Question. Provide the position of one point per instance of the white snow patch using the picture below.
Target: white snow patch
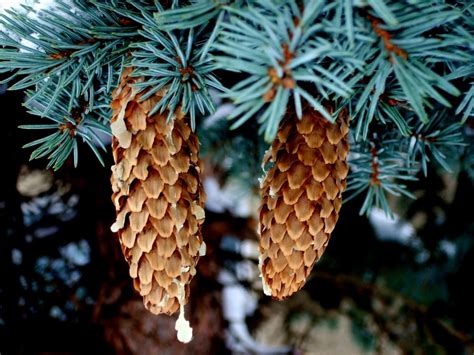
(234, 197)
(17, 256)
(222, 112)
(238, 303)
(448, 247)
(76, 253)
(249, 249)
(387, 228)
(246, 270)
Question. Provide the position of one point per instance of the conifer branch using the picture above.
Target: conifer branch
(378, 171)
(403, 70)
(69, 126)
(402, 65)
(437, 140)
(178, 63)
(195, 14)
(285, 53)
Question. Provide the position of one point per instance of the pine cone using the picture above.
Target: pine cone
(158, 195)
(301, 198)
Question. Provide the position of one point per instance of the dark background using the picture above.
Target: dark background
(64, 284)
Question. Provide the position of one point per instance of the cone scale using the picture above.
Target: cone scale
(159, 199)
(301, 198)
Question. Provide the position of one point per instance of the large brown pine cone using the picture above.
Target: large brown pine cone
(158, 195)
(301, 198)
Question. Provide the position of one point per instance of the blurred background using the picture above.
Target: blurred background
(384, 286)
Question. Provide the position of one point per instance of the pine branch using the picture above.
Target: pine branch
(438, 140)
(68, 126)
(59, 42)
(408, 61)
(403, 70)
(197, 13)
(71, 59)
(285, 53)
(377, 171)
(178, 63)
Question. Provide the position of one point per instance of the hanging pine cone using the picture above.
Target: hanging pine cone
(301, 198)
(158, 195)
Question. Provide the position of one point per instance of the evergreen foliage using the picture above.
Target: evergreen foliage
(402, 69)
